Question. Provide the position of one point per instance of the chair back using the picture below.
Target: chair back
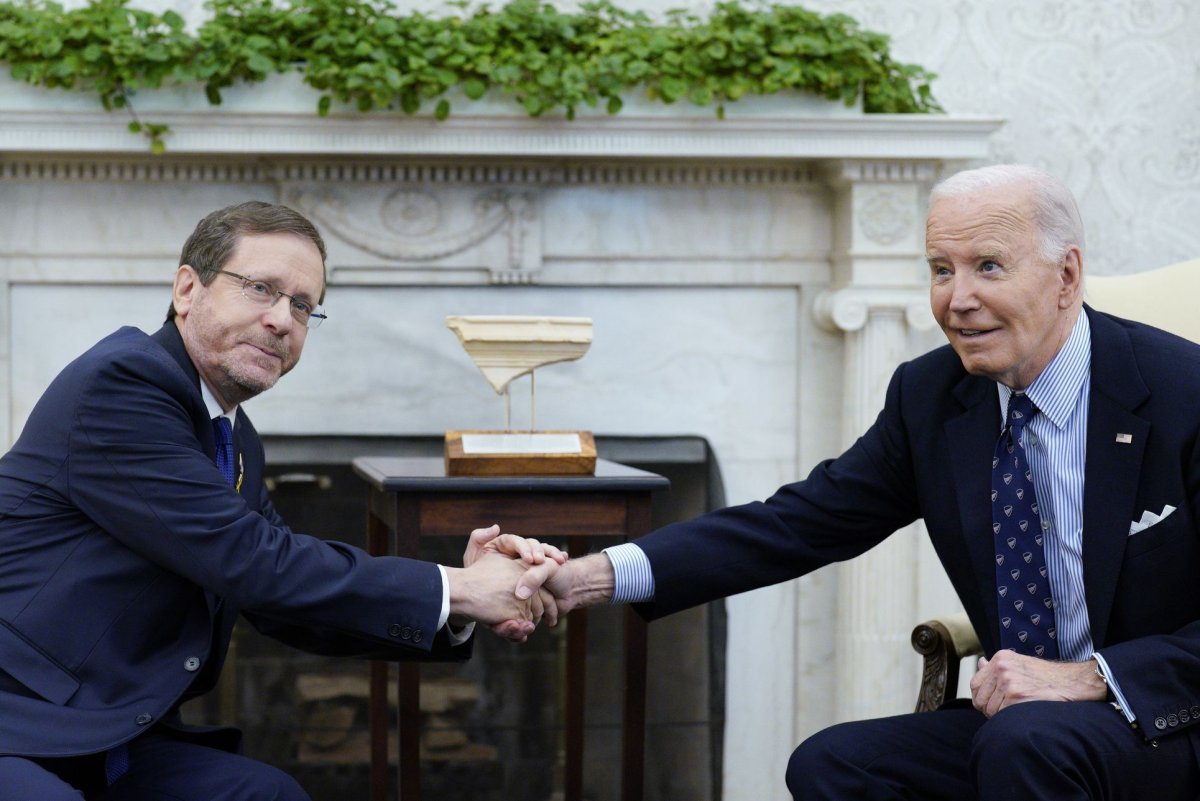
(1166, 297)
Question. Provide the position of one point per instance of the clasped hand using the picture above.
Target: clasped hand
(501, 583)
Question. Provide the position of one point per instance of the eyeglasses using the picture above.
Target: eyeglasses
(264, 293)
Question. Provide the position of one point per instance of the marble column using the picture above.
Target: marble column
(878, 295)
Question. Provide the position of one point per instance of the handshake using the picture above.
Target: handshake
(511, 583)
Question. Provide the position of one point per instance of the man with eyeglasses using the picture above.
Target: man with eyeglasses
(135, 526)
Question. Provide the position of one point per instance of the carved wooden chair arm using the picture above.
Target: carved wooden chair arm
(944, 642)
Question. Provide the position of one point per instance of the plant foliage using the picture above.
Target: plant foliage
(367, 54)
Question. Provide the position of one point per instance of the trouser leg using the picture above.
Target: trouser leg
(911, 757)
(1083, 751)
(25, 780)
(162, 768)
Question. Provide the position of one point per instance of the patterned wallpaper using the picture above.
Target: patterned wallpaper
(1105, 95)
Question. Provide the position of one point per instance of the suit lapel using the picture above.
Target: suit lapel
(971, 439)
(1112, 473)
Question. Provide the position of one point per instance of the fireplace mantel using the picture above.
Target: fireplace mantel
(279, 118)
(753, 280)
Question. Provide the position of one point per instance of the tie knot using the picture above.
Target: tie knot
(224, 430)
(1020, 410)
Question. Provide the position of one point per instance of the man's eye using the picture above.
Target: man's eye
(300, 307)
(259, 288)
(989, 266)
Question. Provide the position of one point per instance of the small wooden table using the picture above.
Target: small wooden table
(410, 498)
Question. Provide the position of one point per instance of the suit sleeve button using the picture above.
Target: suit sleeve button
(191, 664)
(406, 633)
(1160, 723)
(1172, 721)
(143, 719)
(417, 635)
(1184, 717)
(1195, 712)
(394, 630)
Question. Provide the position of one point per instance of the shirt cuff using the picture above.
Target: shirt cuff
(633, 577)
(1121, 704)
(445, 613)
(457, 637)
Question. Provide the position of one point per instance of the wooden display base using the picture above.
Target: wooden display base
(520, 453)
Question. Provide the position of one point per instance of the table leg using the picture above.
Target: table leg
(576, 677)
(377, 705)
(633, 740)
(408, 769)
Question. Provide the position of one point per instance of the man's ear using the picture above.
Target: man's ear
(1070, 271)
(183, 293)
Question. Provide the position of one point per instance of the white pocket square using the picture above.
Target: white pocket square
(1149, 519)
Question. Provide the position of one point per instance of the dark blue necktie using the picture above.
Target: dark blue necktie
(116, 763)
(224, 434)
(1025, 604)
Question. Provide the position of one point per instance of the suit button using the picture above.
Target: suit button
(1160, 723)
(417, 635)
(1184, 717)
(394, 630)
(143, 719)
(1172, 721)
(406, 633)
(191, 664)
(1195, 711)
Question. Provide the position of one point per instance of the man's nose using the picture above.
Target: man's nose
(962, 294)
(278, 316)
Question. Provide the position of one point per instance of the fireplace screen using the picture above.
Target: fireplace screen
(491, 728)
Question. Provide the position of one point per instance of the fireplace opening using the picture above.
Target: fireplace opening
(491, 727)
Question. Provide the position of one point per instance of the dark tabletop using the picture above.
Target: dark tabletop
(428, 474)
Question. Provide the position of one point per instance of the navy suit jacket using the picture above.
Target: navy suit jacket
(928, 455)
(125, 559)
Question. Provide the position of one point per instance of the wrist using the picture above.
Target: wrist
(589, 581)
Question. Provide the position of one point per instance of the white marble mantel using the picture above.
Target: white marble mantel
(752, 280)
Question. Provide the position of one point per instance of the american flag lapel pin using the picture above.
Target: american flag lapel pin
(1125, 439)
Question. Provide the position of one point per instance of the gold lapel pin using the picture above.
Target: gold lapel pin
(237, 487)
(1125, 439)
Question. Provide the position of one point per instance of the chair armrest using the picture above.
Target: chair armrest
(944, 642)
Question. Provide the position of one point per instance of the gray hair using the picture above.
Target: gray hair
(1054, 208)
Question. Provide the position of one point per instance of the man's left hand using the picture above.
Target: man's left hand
(1010, 678)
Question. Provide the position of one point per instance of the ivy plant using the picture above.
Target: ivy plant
(369, 55)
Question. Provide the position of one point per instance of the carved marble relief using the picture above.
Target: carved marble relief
(452, 228)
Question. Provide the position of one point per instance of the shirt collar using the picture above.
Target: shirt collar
(1057, 391)
(214, 408)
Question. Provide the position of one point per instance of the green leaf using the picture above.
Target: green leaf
(442, 110)
(474, 88)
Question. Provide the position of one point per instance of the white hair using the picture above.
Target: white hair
(1054, 208)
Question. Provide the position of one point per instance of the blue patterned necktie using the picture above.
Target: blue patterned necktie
(224, 434)
(1025, 604)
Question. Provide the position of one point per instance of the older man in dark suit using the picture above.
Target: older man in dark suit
(1054, 454)
(135, 526)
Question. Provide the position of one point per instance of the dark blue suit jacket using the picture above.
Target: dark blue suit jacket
(125, 559)
(928, 455)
